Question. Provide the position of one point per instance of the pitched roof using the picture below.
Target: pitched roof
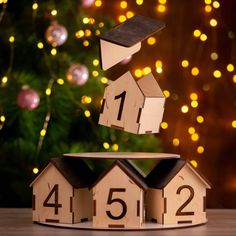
(75, 171)
(166, 170)
(130, 169)
(133, 31)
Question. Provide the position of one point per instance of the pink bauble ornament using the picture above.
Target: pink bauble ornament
(87, 3)
(77, 74)
(28, 99)
(126, 60)
(56, 34)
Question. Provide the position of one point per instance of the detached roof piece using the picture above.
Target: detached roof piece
(130, 169)
(166, 170)
(132, 31)
(75, 171)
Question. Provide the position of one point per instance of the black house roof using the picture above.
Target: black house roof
(133, 31)
(75, 171)
(130, 169)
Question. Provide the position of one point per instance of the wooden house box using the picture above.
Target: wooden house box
(60, 192)
(118, 197)
(176, 194)
(133, 106)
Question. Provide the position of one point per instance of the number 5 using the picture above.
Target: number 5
(118, 200)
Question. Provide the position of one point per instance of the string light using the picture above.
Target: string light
(200, 119)
(35, 6)
(87, 113)
(214, 56)
(234, 124)
(184, 109)
(122, 18)
(95, 73)
(162, 1)
(195, 71)
(54, 12)
(161, 8)
(151, 40)
(193, 96)
(86, 43)
(196, 33)
(3, 1)
(40, 45)
(194, 163)
(91, 21)
(185, 63)
(208, 8)
(194, 104)
(86, 99)
(100, 24)
(216, 4)
(138, 73)
(217, 74)
(213, 22)
(139, 2)
(129, 14)
(104, 80)
(85, 20)
(191, 130)
(60, 81)
(203, 37)
(146, 70)
(54, 51)
(115, 147)
(176, 142)
(35, 170)
(159, 70)
(106, 145)
(164, 125)
(98, 3)
(207, 1)
(166, 93)
(123, 4)
(2, 118)
(95, 62)
(43, 132)
(48, 91)
(194, 137)
(79, 34)
(230, 67)
(234, 78)
(200, 149)
(87, 32)
(4, 79)
(97, 32)
(12, 39)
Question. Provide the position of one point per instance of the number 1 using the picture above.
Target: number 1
(122, 96)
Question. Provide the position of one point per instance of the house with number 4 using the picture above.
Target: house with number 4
(133, 106)
(61, 192)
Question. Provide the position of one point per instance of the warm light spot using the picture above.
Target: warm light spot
(104, 80)
(115, 147)
(195, 71)
(161, 8)
(97, 32)
(175, 142)
(164, 125)
(194, 137)
(196, 33)
(194, 163)
(217, 74)
(234, 123)
(11, 39)
(162, 1)
(200, 119)
(79, 34)
(138, 73)
(159, 70)
(151, 40)
(208, 8)
(43, 132)
(139, 2)
(95, 62)
(123, 4)
(40, 45)
(86, 43)
(203, 37)
(191, 130)
(214, 56)
(207, 1)
(91, 21)
(87, 113)
(216, 4)
(54, 12)
(86, 99)
(122, 18)
(95, 73)
(166, 93)
(184, 109)
(2, 118)
(87, 32)
(230, 67)
(35, 6)
(85, 20)
(194, 104)
(185, 63)
(234, 78)
(54, 51)
(129, 14)
(60, 81)
(213, 22)
(100, 24)
(98, 3)
(35, 170)
(48, 91)
(158, 63)
(200, 149)
(4, 79)
(106, 145)
(147, 70)
(193, 96)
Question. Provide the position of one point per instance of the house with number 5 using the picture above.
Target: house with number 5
(61, 192)
(133, 106)
(176, 193)
(118, 197)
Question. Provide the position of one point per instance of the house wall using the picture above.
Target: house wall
(42, 188)
(133, 101)
(175, 201)
(117, 179)
(154, 205)
(82, 203)
(151, 115)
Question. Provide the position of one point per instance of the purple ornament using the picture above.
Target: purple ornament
(87, 3)
(28, 99)
(56, 34)
(126, 60)
(77, 74)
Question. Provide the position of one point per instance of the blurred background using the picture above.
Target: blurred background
(51, 87)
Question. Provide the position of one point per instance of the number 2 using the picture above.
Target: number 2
(122, 96)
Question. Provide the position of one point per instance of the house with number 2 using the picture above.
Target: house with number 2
(133, 106)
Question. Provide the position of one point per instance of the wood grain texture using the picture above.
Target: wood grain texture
(18, 222)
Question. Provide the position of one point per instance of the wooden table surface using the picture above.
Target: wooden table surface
(18, 222)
